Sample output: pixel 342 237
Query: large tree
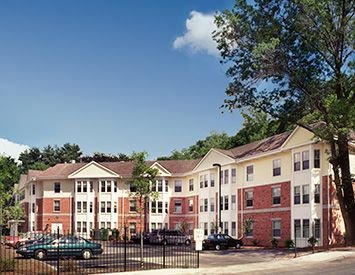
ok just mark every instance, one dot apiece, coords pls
pixel 9 173
pixel 291 58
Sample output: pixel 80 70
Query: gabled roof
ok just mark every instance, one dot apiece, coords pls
pixel 257 147
pixel 179 166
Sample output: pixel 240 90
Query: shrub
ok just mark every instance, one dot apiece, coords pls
pixel 289 243
pixel 7 265
pixel 256 242
pixel 274 242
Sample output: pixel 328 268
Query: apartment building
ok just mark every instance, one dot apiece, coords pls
pixel 279 187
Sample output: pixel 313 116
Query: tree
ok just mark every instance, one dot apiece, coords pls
pixel 102 157
pixel 9 173
pixel 292 58
pixel 142 178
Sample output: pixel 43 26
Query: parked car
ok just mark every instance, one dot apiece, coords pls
pixel 17 241
pixel 164 237
pixel 40 238
pixel 221 241
pixel 69 246
pixel 137 238
pixel 29 237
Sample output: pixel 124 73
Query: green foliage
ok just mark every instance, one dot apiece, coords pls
pixel 9 209
pixel 274 242
pixel 289 243
pixel 7 265
pixel 312 241
pixel 102 157
pixel 9 172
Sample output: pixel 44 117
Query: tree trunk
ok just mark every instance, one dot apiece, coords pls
pixel 344 187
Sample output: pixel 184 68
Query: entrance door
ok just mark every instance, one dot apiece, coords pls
pixel 55 226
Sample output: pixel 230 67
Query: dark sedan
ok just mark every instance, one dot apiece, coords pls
pixel 221 241
pixel 65 247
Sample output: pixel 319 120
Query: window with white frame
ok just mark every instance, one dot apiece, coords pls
pixel 115 186
pixel 212 179
pixel 108 207
pixel 249 198
pixel 191 205
pixel 226 176
pixel 205 180
pixel 33 208
pixel 85 229
pixel 317 193
pixel 154 207
pixel 226 202
pixel 115 207
pixel 296 162
pixel 160 185
pixel 91 186
pixel 305 160
pixel 221 202
pixel 132 228
pixel 297 226
pixel 178 186
pixel 205 208
pixel 166 207
pixel 212 204
pixel 297 195
pixel 103 186
pixel 316 158
pixel 201 205
pixel 234 202
pixel 177 206
pixel 132 205
pixel 33 189
pixel 56 205
pixel 102 225
pixel 205 228
pixel 305 193
pixel 78 206
pixel 305 228
pixel 160 207
pixel 250 172
pixel 249 229
pixel 276 228
pixel 234 175
pixel 234 229
pixel 91 207
pixel 201 181
pixel 212 228
pixel 276 195
pixel 317 228
pixel 276 167
pixel 103 207
pixel 78 187
pixel 85 186
pixel 191 184
pixel 166 186
pixel 85 206
pixel 108 186
pixel 225 228
pixel 57 188
pixel 78 227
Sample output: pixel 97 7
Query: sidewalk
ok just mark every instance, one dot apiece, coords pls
pixel 261 266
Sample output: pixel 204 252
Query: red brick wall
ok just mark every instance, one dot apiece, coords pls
pixel 25 226
pixel 263 212
pixel 185 215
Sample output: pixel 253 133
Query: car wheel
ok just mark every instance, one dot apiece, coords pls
pixel 40 254
pixel 218 247
pixel 237 246
pixel 86 254
pixel 187 242
pixel 164 242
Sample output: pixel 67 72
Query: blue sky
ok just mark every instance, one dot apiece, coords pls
pixel 111 76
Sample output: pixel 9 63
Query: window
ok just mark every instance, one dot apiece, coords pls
pixel 115 186
pixel 57 187
pixel 212 204
pixel 33 189
pixel 132 205
pixel 102 224
pixel 297 224
pixel 212 226
pixel 166 207
pixel 276 229
pixel 317 193
pixel 91 207
pixel 191 184
pixel 234 176
pixel 78 186
pixel 233 199
pixel 154 207
pixel 78 227
pixel 153 226
pixel 249 198
pixel 205 228
pixel 109 185
pixel 56 206
pixel 297 162
pixel 205 180
pixel 177 206
pixel 316 158
pixel 212 180
pixel 85 206
pixel 78 206
pixel 191 205
pixel 103 207
pixel 178 186
pixel 33 208
pixel 85 229
pixel 221 202
pixel 317 228
pixel 297 195
pixel 249 229
pixel 103 186
pixel 160 207
pixel 305 228
pixel 201 205
pixel 226 203
pixel 305 160
pixel 108 207
pixel 91 186
pixel 160 185
pixel 206 205
pixel 226 176
pixel 234 229
pixel 132 228
pixel 166 186
pixel 276 195
pixel 305 193
pixel 276 167
pixel 85 189
pixel 225 227
pixel 250 173
pixel 201 181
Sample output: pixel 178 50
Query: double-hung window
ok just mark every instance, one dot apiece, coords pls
pixel 297 195
pixel 296 162
pixel 212 180
pixel 317 193
pixel 191 184
pixel 305 193
pixel 250 173
pixel 178 186
pixel 305 160
pixel 226 202
pixel 305 228
pixel 249 198
pixel 276 228
pixel 234 175
pixel 276 167
pixel 316 158
pixel 57 187
pixel 276 195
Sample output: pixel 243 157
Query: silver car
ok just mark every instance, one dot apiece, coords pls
pixel 166 237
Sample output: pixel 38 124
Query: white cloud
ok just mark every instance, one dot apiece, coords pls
pixel 198 35
pixel 11 149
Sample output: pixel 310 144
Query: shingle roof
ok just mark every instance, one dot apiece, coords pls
pixel 257 147
pixel 179 166
pixel 61 170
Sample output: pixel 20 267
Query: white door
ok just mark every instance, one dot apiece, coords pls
pixel 55 227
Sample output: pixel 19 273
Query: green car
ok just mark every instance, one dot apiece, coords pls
pixel 68 247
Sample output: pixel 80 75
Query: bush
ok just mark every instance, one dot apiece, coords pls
pixel 274 242
pixel 289 243
pixel 7 265
pixel 312 241
pixel 256 242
